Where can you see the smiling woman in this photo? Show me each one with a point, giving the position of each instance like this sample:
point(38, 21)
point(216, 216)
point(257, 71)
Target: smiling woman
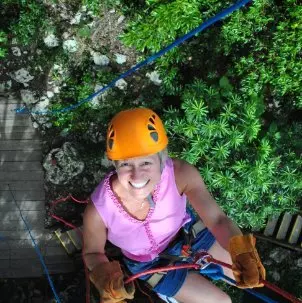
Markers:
point(141, 207)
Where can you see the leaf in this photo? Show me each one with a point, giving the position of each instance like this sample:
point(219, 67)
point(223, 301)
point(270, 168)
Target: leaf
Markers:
point(225, 84)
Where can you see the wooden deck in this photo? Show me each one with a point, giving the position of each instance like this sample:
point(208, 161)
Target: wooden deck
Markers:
point(21, 183)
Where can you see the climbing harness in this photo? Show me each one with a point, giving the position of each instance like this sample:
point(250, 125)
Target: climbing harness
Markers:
point(201, 261)
point(207, 265)
point(200, 28)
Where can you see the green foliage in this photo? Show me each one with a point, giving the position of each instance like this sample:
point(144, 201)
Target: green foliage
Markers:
point(271, 38)
point(248, 172)
point(164, 24)
point(32, 20)
point(3, 41)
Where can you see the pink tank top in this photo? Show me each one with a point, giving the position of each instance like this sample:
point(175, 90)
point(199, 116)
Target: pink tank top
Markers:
point(143, 240)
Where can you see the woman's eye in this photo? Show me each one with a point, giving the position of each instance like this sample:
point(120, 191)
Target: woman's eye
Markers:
point(146, 163)
point(124, 164)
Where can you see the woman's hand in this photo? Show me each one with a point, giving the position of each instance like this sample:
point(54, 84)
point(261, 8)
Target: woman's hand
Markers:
point(108, 278)
point(247, 267)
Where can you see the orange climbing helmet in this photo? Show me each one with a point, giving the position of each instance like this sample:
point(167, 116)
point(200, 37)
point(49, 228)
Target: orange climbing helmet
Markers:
point(134, 133)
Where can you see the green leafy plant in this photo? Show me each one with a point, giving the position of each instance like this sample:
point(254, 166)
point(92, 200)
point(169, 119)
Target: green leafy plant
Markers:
point(220, 132)
point(3, 41)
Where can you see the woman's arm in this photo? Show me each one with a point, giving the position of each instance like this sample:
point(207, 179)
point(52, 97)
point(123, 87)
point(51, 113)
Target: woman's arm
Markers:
point(189, 180)
point(94, 235)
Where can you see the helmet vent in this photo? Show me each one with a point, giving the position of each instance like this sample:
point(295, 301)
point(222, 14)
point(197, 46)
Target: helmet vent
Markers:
point(153, 116)
point(152, 120)
point(154, 136)
point(110, 143)
point(151, 127)
point(111, 134)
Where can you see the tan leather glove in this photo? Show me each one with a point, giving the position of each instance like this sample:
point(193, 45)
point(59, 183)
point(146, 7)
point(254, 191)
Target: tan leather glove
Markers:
point(108, 278)
point(247, 267)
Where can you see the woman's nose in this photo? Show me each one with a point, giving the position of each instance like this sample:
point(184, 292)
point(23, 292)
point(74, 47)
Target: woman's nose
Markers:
point(136, 173)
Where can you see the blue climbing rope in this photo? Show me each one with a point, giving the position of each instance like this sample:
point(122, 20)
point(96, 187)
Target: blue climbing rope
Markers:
point(215, 272)
point(150, 59)
point(37, 250)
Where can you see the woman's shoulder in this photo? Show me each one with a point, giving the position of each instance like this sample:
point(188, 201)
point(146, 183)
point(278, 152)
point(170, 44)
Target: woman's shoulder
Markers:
point(180, 173)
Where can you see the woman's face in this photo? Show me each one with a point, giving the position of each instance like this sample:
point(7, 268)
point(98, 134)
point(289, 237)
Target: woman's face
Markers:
point(139, 176)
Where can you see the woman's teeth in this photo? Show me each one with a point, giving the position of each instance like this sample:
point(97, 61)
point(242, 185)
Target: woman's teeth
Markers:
point(139, 185)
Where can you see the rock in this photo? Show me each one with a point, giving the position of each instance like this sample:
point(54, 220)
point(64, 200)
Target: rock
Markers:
point(22, 76)
point(100, 59)
point(35, 125)
point(121, 84)
point(154, 77)
point(99, 98)
point(70, 45)
point(49, 94)
point(93, 134)
point(76, 19)
point(120, 59)
point(63, 164)
point(120, 19)
point(275, 275)
point(279, 254)
point(268, 262)
point(56, 89)
point(16, 51)
point(4, 86)
point(299, 262)
point(28, 97)
point(51, 41)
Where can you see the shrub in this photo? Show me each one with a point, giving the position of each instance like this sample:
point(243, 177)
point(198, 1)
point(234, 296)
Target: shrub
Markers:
point(250, 173)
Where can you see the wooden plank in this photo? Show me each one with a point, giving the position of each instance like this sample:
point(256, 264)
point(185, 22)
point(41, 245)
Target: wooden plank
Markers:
point(22, 185)
point(65, 241)
point(21, 166)
point(15, 225)
point(5, 254)
point(24, 195)
point(17, 121)
point(7, 110)
point(296, 231)
point(29, 205)
point(24, 175)
point(75, 237)
point(282, 231)
point(31, 134)
point(8, 244)
point(25, 273)
point(9, 98)
point(12, 129)
point(29, 215)
point(20, 156)
point(271, 225)
point(4, 264)
point(39, 234)
point(24, 145)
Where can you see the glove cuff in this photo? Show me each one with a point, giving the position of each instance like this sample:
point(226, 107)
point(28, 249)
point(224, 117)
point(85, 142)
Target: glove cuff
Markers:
point(242, 244)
